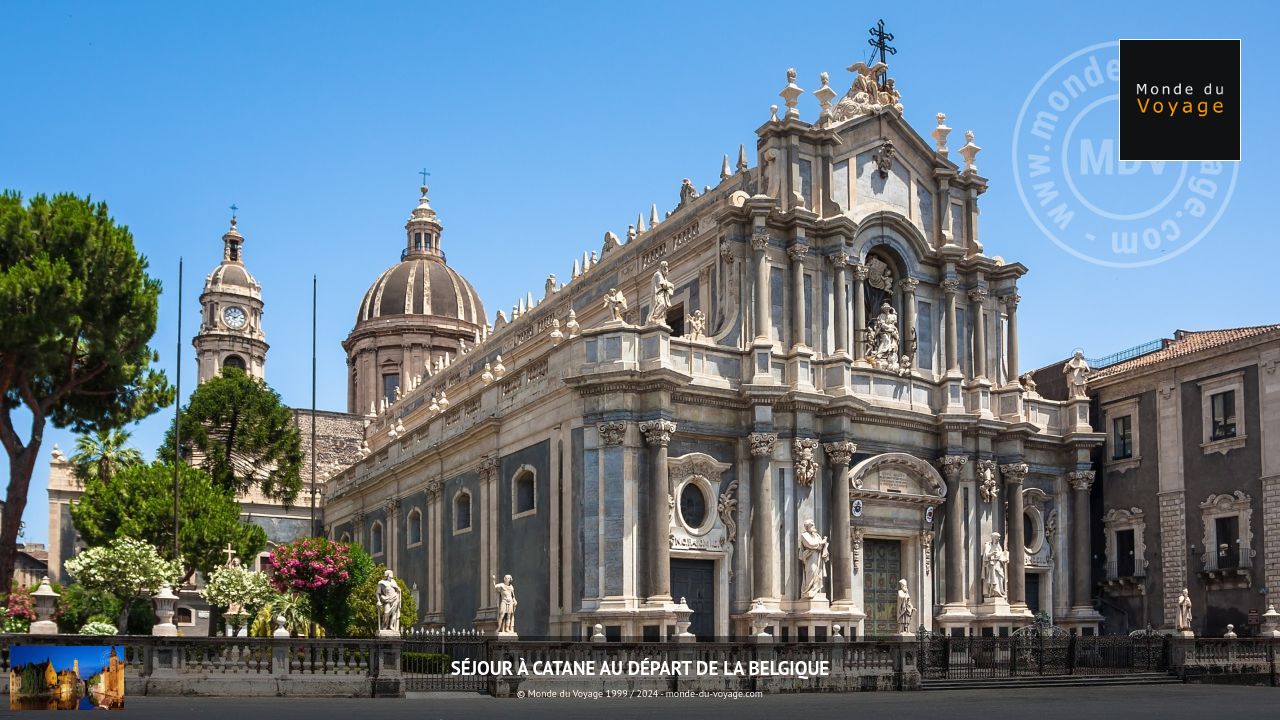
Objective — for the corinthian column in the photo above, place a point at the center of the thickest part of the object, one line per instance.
(840, 261)
(657, 433)
(1081, 568)
(796, 252)
(951, 288)
(1013, 475)
(763, 544)
(860, 273)
(976, 297)
(760, 241)
(952, 467)
(909, 286)
(840, 453)
(1011, 310)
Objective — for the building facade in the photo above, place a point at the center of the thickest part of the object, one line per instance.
(767, 407)
(1191, 480)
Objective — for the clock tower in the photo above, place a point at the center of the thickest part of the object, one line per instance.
(231, 315)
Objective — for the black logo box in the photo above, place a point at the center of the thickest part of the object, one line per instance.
(1161, 77)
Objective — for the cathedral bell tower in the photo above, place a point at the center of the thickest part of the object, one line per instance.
(231, 315)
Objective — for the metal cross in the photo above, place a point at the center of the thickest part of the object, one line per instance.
(423, 172)
(233, 210)
(879, 42)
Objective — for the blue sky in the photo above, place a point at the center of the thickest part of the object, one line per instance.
(543, 126)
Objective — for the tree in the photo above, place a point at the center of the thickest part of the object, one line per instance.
(78, 312)
(239, 588)
(327, 573)
(101, 453)
(364, 606)
(242, 435)
(138, 504)
(127, 568)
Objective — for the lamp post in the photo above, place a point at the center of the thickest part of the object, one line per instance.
(46, 603)
(164, 603)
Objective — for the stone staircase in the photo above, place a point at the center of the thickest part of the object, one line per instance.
(1040, 681)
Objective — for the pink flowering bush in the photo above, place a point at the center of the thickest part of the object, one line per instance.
(20, 604)
(326, 573)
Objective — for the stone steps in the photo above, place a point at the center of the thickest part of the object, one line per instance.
(1032, 681)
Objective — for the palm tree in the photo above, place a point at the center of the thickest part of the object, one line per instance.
(102, 454)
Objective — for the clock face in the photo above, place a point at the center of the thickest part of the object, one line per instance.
(234, 317)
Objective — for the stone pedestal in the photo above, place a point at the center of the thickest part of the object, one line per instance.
(955, 616)
(504, 635)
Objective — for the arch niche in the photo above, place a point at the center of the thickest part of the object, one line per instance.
(894, 535)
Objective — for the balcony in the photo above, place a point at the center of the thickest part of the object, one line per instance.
(1125, 577)
(1227, 567)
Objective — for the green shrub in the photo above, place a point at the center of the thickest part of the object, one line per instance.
(79, 604)
(425, 662)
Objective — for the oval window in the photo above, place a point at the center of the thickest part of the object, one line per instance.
(693, 506)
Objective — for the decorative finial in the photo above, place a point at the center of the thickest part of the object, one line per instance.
(773, 113)
(791, 95)
(640, 228)
(653, 215)
(940, 134)
(233, 214)
(825, 95)
(423, 172)
(742, 158)
(725, 173)
(969, 152)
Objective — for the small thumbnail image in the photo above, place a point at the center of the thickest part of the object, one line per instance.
(66, 677)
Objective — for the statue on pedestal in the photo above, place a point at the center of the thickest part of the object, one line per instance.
(663, 290)
(506, 604)
(995, 560)
(1077, 372)
(814, 553)
(883, 348)
(1184, 611)
(906, 609)
(388, 605)
(616, 302)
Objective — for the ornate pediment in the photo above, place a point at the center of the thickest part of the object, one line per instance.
(898, 474)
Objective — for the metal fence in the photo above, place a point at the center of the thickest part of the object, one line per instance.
(1041, 654)
(427, 657)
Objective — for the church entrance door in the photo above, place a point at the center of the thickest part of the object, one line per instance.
(694, 580)
(882, 560)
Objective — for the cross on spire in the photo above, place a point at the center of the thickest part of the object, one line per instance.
(879, 42)
(230, 553)
(233, 211)
(423, 172)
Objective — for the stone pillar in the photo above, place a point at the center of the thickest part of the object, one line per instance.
(796, 252)
(1081, 580)
(840, 260)
(859, 312)
(1011, 310)
(840, 453)
(952, 468)
(760, 241)
(977, 296)
(390, 537)
(1013, 475)
(909, 286)
(657, 433)
(763, 544)
(951, 287)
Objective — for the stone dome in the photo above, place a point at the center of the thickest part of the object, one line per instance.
(422, 285)
(232, 274)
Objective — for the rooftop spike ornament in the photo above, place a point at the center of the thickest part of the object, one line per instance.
(725, 173)
(742, 159)
(653, 215)
(640, 228)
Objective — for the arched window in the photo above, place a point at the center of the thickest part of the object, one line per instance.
(461, 512)
(414, 527)
(183, 616)
(234, 361)
(524, 492)
(375, 538)
(345, 539)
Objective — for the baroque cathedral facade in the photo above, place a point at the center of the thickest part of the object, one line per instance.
(768, 407)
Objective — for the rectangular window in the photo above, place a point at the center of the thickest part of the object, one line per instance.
(1224, 415)
(775, 301)
(808, 310)
(924, 335)
(1122, 438)
(390, 382)
(1124, 553)
(1227, 530)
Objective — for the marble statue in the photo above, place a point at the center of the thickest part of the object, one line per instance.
(663, 289)
(506, 604)
(814, 553)
(995, 560)
(989, 487)
(866, 95)
(1028, 382)
(388, 605)
(697, 323)
(617, 304)
(1077, 372)
(906, 609)
(883, 350)
(1184, 611)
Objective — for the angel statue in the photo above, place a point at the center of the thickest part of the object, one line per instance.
(617, 304)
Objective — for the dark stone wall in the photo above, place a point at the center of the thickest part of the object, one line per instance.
(524, 543)
(575, 528)
(461, 554)
(412, 561)
(1215, 473)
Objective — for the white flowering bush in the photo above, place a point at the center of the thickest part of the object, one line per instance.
(98, 628)
(127, 568)
(238, 587)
